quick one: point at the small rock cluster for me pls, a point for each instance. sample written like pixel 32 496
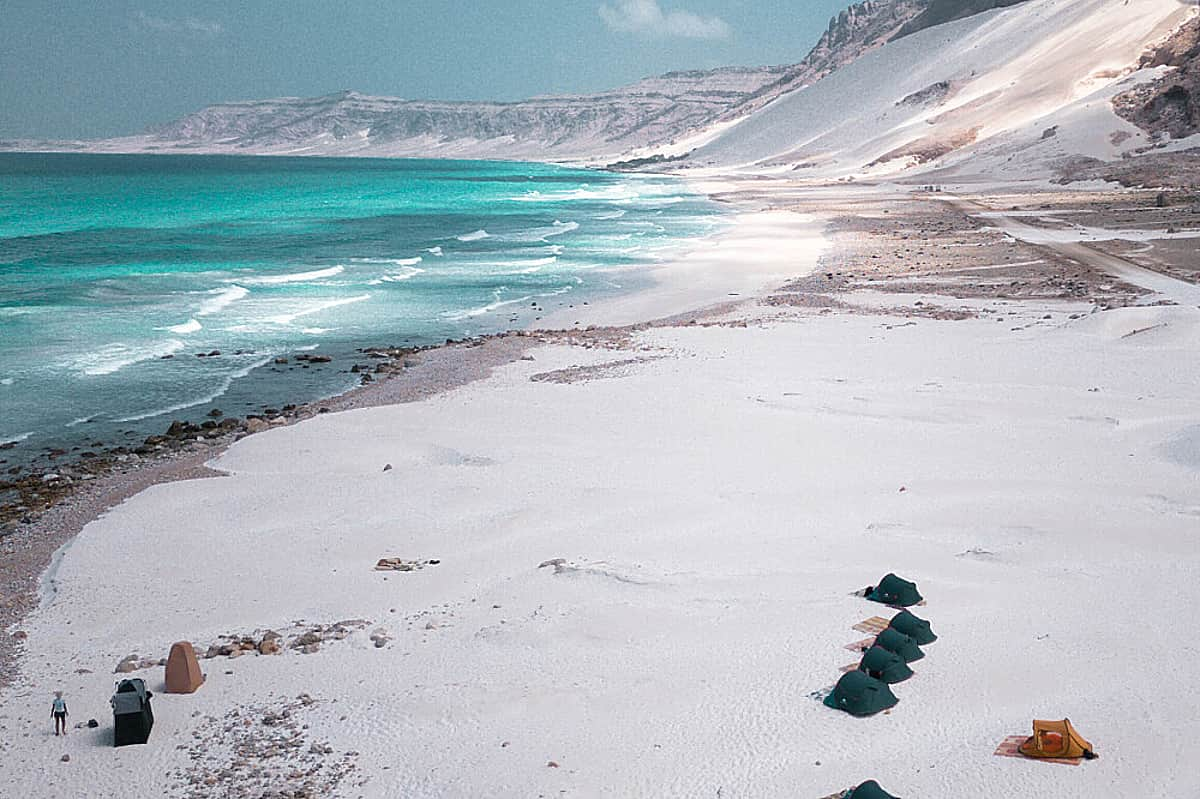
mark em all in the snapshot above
pixel 263 752
pixel 402 565
pixel 303 638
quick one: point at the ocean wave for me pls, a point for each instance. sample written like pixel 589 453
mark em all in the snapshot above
pixel 390 261
pixel 525 267
pixel 287 319
pixel 476 236
pixel 222 299
pixel 8 381
pixel 585 192
pixel 498 303
pixel 408 273
pixel 559 228
pixel 79 421
pixel 612 214
pixel 17 439
pixel 541 233
pixel 295 277
pixel 190 326
pixel 486 309
pixel 436 251
pixel 223 386
pixel 316 331
pixel 115 357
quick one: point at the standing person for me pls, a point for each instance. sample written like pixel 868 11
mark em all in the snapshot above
pixel 58 711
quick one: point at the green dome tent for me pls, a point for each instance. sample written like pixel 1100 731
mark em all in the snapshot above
pixel 885 666
pixel 914 627
pixel 860 695
pixel 899 643
pixel 870 790
pixel 893 590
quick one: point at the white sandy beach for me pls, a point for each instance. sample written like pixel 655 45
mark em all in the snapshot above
pixel 717 492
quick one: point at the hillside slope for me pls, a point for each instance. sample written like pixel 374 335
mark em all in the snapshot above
pixel 657 112
pixel 988 88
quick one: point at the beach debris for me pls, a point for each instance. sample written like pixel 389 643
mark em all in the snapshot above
pixel 265 750
pixel 402 565
pixel 380 637
pixel 65 758
pixel 131 663
pixel 387 467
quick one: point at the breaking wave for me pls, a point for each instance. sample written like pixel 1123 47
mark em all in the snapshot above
pixel 113 358
pixel 222 387
pixel 222 299
pixel 476 236
pixel 295 277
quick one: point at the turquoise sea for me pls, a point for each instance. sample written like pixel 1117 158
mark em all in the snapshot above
pixel 111 263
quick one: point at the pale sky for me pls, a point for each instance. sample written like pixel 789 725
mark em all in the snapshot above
pixel 92 68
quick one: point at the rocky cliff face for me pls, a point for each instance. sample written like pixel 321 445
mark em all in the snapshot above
pixel 939 12
pixel 650 111
pixel 1169 106
pixel 857 30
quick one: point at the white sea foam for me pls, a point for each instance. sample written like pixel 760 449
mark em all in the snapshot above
pixel 525 267
pixel 612 214
pixel 17 439
pixel 8 381
pixel 112 358
pixel 295 277
pixel 476 236
pixel 222 387
pixel 190 326
pixel 391 261
pixel 79 421
pixel 436 251
pixel 316 331
pixel 541 234
pixel 222 299
pixel 615 193
pixel 485 309
pixel 325 305
pixel 498 303
pixel 560 228
pixel 407 273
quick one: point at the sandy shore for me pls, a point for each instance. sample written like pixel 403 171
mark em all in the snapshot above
pixel 648 538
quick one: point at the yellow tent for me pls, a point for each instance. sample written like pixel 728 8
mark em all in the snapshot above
pixel 1056 739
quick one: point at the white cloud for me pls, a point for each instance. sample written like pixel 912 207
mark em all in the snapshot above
pixel 191 25
pixel 648 17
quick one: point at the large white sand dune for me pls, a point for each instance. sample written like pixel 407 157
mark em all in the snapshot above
pixel 997 78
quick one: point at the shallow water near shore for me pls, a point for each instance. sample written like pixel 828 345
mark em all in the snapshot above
pixel 117 271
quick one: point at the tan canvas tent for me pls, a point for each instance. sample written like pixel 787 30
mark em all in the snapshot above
pixel 1056 739
pixel 183 670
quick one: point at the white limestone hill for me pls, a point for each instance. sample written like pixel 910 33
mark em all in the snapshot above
pixel 1012 93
